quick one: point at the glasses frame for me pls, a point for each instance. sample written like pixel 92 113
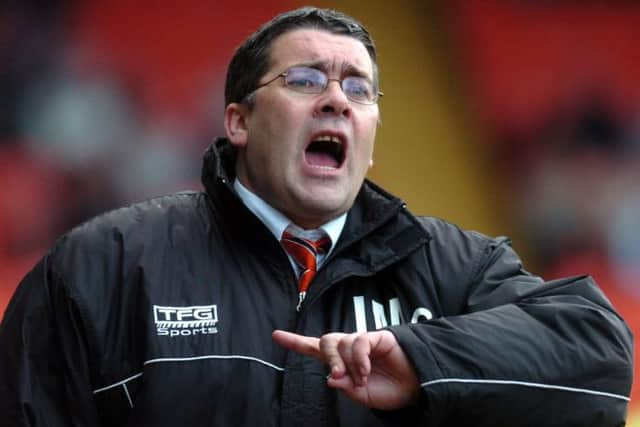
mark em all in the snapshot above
pixel 285 73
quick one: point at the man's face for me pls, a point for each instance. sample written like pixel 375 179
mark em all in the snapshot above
pixel 306 154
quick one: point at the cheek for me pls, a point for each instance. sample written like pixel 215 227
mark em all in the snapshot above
pixel 279 126
pixel 368 139
pixel 368 123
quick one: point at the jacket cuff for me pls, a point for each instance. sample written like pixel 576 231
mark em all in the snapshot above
pixel 434 400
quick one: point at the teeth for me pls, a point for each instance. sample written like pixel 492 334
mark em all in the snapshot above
pixel 329 138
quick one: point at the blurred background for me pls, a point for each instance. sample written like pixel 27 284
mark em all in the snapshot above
pixel 508 117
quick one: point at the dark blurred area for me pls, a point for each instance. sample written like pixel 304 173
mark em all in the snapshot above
pixel 105 103
pixel 556 86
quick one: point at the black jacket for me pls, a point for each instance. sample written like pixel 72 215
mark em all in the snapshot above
pixel 161 313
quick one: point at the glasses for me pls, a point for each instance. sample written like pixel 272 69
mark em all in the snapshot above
pixel 313 81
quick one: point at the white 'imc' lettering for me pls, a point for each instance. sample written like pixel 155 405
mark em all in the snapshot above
pixel 379 316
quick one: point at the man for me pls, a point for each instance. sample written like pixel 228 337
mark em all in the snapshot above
pixel 207 309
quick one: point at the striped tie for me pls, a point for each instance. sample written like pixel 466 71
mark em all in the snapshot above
pixel 304 252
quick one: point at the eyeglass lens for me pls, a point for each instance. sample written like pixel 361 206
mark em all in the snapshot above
pixel 312 80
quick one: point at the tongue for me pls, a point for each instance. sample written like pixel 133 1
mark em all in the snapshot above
pixel 318 158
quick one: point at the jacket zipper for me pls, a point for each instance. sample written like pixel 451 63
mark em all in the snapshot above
pixel 301 296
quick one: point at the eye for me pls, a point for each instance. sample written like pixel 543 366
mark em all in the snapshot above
pixel 300 82
pixel 358 88
pixel 305 79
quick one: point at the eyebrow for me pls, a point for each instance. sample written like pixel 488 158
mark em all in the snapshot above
pixel 347 69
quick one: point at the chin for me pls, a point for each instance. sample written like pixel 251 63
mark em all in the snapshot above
pixel 325 202
pixel 327 211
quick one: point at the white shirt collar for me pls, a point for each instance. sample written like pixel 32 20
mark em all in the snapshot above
pixel 276 222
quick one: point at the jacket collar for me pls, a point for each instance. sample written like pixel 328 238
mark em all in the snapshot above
pixel 378 231
pixel 218 165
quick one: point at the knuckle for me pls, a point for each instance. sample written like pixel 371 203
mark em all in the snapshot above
pixel 328 342
pixel 361 340
pixel 347 342
pixel 343 346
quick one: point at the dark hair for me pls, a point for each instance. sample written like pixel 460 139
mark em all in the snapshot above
pixel 252 58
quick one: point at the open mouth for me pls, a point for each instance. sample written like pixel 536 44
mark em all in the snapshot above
pixel 325 151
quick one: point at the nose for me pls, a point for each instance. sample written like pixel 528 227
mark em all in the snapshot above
pixel 333 101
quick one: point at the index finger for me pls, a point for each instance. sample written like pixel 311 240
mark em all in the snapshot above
pixel 302 344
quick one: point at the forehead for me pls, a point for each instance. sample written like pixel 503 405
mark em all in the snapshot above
pixel 336 52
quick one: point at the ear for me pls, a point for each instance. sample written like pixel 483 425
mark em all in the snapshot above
pixel 235 123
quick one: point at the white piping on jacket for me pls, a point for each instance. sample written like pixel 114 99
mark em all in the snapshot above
pixel 126 390
pixel 525 384
pixel 231 356
pixel 188 359
pixel 126 380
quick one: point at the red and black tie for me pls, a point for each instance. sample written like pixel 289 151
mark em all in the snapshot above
pixel 304 252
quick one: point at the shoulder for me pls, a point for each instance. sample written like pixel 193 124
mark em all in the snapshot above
pixel 133 228
pixel 181 207
pixel 454 248
pixel 145 216
pixel 445 232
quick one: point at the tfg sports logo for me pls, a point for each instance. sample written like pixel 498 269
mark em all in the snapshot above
pixel 185 321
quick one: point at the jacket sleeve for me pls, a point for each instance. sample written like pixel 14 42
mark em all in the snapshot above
pixel 520 351
pixel 44 369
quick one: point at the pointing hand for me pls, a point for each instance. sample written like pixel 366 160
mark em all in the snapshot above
pixel 370 368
